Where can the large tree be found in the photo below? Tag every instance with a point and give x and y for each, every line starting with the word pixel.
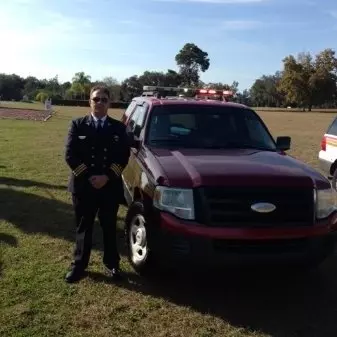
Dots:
pixel 133 86
pixel 114 87
pixel 11 86
pixel 264 91
pixel 80 87
pixel 307 81
pixel 191 60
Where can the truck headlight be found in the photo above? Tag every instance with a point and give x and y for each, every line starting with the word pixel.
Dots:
pixel 177 201
pixel 325 203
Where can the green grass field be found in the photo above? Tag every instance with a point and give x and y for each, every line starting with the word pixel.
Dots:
pixel 36 238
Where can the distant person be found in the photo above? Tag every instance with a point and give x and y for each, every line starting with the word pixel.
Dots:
pixel 97 151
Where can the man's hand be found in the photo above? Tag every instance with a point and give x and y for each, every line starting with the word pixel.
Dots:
pixel 98 181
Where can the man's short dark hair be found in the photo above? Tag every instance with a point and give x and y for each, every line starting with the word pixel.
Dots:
pixel 102 88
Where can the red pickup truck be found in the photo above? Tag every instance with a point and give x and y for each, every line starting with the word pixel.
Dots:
pixel 207 183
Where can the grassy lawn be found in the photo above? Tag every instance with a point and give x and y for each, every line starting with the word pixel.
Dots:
pixel 36 242
pixel 22 105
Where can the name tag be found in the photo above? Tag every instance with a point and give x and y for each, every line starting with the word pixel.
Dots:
pixel 82 137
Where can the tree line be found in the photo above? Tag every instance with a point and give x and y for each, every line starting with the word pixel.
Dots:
pixel 306 81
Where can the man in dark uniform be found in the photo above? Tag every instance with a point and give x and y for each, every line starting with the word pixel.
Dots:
pixel 97 151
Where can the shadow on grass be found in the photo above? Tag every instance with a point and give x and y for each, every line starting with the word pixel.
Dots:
pixel 6 239
pixel 37 214
pixel 28 183
pixel 280 303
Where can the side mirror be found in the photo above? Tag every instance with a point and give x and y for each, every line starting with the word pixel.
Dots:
pixel 133 141
pixel 283 143
pixel 137 130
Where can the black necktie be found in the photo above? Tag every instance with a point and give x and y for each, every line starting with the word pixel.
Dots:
pixel 99 125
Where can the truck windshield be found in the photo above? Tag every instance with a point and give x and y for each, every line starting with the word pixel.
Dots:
pixel 202 126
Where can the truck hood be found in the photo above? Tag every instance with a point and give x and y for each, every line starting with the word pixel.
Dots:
pixel 189 168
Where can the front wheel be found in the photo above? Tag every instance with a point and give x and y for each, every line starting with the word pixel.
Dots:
pixel 136 236
pixel 334 180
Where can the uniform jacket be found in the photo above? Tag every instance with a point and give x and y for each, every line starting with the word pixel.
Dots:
pixel 91 153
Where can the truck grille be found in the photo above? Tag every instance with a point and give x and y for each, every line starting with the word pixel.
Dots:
pixel 230 207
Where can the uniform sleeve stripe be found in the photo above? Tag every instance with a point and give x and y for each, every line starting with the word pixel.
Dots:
pixel 79 169
pixel 116 172
pixel 77 174
pixel 119 167
pixel 79 166
pixel 116 169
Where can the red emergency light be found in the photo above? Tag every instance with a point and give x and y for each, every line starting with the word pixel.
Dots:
pixel 209 91
pixel 215 92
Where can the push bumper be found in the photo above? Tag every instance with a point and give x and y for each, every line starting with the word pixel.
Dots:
pixel 196 244
pixel 324 164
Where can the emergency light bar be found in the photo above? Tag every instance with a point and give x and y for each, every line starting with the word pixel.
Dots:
pixel 158 88
pixel 176 89
pixel 171 92
pixel 215 92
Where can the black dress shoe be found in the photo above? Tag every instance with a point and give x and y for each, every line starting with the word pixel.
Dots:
pixel 113 273
pixel 74 275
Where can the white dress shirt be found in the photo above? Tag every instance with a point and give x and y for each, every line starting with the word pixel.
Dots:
pixel 96 120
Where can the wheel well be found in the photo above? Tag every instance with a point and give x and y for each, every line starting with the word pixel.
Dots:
pixel 333 167
pixel 137 194
pixel 140 196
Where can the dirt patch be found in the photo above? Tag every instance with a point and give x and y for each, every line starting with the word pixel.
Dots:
pixel 25 114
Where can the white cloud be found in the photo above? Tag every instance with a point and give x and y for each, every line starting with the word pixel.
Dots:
pixel 52 43
pixel 50 28
pixel 221 26
pixel 29 44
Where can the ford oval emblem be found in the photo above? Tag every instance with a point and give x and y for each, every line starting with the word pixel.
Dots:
pixel 263 207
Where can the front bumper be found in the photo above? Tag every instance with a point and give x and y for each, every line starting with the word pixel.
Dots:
pixel 325 166
pixel 197 244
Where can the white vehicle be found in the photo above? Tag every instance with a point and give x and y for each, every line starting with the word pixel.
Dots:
pixel 328 154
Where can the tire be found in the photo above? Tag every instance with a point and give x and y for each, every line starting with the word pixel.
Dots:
pixel 315 262
pixel 139 253
pixel 334 179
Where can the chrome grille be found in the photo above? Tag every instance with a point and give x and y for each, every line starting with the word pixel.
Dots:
pixel 231 207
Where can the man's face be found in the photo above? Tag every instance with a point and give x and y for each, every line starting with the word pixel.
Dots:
pixel 99 103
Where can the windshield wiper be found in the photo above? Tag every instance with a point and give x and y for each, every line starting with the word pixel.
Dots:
pixel 232 145
pixel 171 142
pixel 165 140
pixel 250 146
pixel 229 145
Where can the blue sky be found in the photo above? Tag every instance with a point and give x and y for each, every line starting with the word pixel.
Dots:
pixel 244 38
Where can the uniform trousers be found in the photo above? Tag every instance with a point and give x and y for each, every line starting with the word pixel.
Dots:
pixel 86 206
